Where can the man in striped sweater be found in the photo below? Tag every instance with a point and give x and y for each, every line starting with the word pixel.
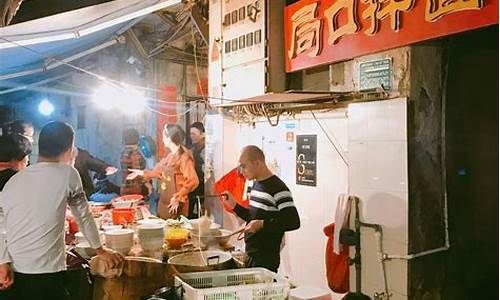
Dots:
pixel 271 212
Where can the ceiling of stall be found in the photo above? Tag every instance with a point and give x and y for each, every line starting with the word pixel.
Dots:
pixel 46 48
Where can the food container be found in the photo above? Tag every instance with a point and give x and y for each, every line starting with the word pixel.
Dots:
pixel 85 250
pixel 176 236
pixel 195 225
pixel 152 222
pixel 150 238
pixel 111 227
pixel 127 201
pixel 80 238
pixel 123 216
pixel 248 284
pixel 120 240
pixel 199 261
pixel 216 238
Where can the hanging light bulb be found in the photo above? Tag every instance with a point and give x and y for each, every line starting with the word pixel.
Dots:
pixel 45 107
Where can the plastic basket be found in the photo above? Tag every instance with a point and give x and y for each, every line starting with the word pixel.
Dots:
pixel 242 284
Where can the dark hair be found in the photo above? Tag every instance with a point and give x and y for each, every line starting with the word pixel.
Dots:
pixel 14 147
pixel 176 133
pixel 130 136
pixel 199 126
pixel 19 127
pixel 55 139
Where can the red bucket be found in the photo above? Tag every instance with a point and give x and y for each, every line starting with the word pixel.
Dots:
pixel 123 216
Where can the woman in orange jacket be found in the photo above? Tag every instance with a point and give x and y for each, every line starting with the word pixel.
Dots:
pixel 176 173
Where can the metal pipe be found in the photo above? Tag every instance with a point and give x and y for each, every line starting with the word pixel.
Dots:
pixel 381 256
pixel 27 86
pixel 357 255
pixel 56 63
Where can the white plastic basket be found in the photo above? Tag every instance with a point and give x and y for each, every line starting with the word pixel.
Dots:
pixel 241 284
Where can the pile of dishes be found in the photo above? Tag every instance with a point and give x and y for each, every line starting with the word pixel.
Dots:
pixel 83 247
pixel 151 237
pixel 120 240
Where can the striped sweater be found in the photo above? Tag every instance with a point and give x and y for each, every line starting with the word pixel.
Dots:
pixel 271 201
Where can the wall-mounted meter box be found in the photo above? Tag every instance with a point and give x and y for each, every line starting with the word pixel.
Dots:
pixel 246 48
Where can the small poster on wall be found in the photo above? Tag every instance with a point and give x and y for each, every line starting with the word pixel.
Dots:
pixel 306 160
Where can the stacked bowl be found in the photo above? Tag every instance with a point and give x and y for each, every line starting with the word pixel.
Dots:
pixel 151 237
pixel 120 240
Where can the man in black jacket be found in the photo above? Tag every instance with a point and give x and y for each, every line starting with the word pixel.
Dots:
pixel 197 134
pixel 84 163
pixel 271 212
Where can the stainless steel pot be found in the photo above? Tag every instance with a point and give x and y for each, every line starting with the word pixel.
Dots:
pixel 201 261
pixel 216 238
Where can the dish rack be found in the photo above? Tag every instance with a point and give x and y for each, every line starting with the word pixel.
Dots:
pixel 242 284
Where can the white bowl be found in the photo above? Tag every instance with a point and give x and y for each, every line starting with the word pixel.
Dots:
pixel 85 250
pixel 153 223
pixel 195 223
pixel 120 240
pixel 151 245
pixel 107 228
pixel 80 238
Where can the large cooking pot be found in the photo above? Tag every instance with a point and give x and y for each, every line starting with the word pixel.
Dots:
pixel 215 238
pixel 200 261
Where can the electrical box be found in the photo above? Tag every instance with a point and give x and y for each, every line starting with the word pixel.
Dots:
pixel 246 48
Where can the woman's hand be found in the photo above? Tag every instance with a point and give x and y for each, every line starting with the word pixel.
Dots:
pixel 134 173
pixel 173 206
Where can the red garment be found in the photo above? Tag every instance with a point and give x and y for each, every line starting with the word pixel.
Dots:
pixel 337 265
pixel 233 183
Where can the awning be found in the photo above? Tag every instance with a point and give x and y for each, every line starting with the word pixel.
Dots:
pixel 275 98
pixel 32 48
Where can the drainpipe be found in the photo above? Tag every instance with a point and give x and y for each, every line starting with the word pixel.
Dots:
pixel 381 258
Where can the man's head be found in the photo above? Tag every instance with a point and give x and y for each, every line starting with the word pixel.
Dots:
pixel 15 149
pixel 56 142
pixel 197 133
pixel 130 136
pixel 23 128
pixel 173 133
pixel 252 163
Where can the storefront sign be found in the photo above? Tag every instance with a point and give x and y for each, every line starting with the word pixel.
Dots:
pixel 306 160
pixel 375 74
pixel 325 31
pixel 167 96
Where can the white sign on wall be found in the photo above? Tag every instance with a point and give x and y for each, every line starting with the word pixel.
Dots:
pixel 243 32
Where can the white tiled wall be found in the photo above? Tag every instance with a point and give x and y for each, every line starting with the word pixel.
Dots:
pixel 303 258
pixel 378 176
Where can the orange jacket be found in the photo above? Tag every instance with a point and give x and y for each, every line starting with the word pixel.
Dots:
pixel 182 165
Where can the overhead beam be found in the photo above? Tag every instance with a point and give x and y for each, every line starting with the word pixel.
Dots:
pixel 59 62
pixel 8 9
pixel 199 23
pixel 19 87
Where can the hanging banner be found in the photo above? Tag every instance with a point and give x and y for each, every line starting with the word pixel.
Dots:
pixel 327 31
pixel 167 106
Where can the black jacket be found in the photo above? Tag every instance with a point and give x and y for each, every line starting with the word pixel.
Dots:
pixel 84 163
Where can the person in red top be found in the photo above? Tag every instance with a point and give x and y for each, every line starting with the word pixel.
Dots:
pixel 131 159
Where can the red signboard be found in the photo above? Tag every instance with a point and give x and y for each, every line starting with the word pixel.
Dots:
pixel 325 31
pixel 167 107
